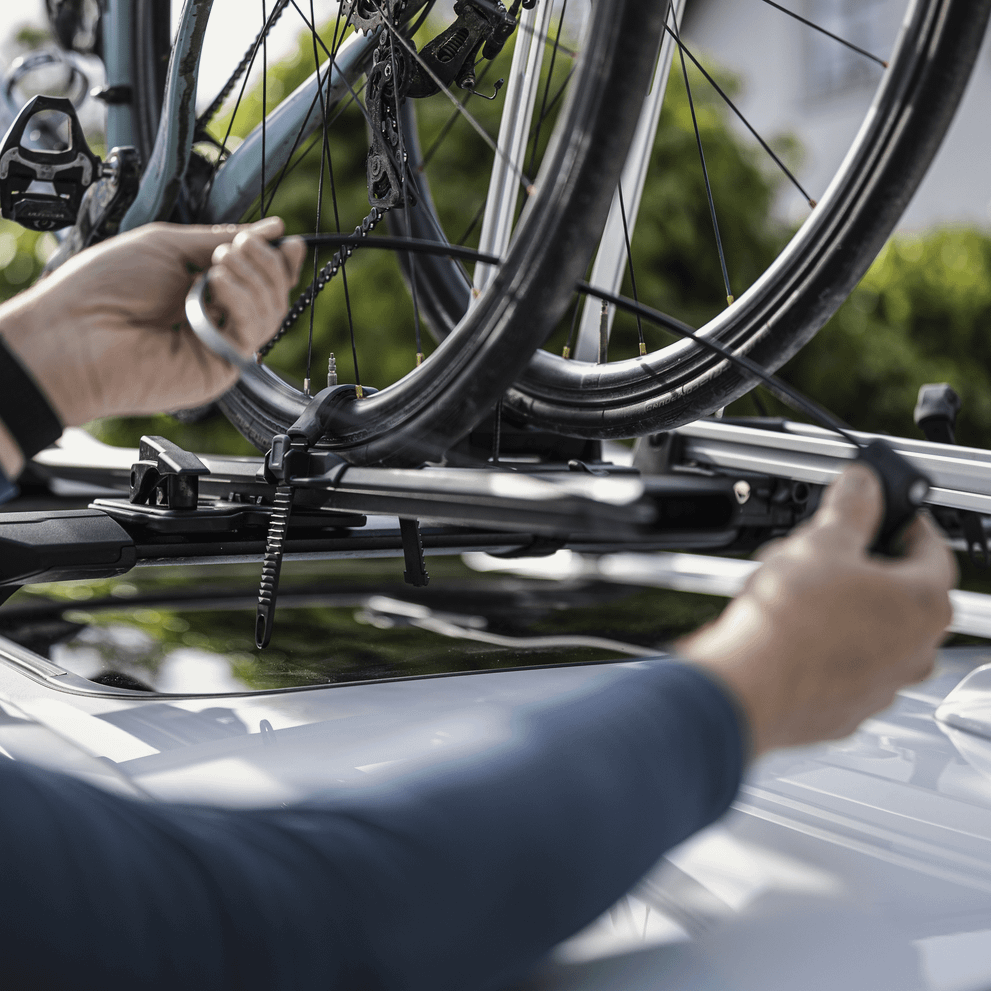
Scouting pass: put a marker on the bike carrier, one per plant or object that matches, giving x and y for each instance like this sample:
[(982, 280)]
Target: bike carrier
[(714, 486)]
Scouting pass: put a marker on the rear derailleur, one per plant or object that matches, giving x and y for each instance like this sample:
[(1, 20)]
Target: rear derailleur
[(398, 73)]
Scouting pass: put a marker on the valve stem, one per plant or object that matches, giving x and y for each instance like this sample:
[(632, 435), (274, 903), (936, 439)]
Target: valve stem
[(331, 371)]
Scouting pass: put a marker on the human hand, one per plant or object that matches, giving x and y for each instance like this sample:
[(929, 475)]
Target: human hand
[(106, 333), (823, 633)]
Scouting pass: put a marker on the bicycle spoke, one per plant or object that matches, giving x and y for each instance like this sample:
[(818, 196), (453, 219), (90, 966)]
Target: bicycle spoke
[(247, 60), (263, 34), (542, 116), (746, 123), (316, 248), (403, 179), (629, 258), (452, 120), (611, 259), (514, 128), (705, 171), (829, 34)]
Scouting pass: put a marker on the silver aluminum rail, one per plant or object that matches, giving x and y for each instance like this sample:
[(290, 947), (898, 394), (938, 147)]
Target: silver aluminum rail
[(961, 476)]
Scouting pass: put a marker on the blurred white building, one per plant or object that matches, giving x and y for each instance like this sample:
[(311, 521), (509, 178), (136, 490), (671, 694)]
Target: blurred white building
[(797, 80)]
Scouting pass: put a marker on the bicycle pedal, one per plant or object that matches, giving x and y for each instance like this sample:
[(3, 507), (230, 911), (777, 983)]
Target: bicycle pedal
[(67, 172)]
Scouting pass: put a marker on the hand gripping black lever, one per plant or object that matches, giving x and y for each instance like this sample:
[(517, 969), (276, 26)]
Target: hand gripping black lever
[(904, 488), (69, 171)]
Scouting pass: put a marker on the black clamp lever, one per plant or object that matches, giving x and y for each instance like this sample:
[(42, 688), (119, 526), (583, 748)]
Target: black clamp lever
[(904, 488), (288, 458), (70, 171), (936, 416), (165, 475)]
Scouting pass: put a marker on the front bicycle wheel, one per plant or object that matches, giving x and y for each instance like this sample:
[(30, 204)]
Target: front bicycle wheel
[(660, 388), (541, 255)]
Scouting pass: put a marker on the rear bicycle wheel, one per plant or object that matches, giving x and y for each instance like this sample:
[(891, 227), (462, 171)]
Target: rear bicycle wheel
[(419, 416)]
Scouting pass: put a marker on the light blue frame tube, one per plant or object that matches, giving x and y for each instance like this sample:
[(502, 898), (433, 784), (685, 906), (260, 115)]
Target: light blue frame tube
[(237, 184), (117, 48)]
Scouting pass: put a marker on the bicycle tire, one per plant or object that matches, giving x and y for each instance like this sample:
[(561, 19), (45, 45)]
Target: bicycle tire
[(418, 417), (803, 288)]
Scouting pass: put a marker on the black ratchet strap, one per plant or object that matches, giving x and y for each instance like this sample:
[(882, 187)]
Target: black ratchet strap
[(24, 410)]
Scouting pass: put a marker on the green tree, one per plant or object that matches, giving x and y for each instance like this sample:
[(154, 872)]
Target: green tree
[(921, 314)]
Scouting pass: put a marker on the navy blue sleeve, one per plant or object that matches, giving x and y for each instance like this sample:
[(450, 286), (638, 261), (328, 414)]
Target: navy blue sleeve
[(458, 878)]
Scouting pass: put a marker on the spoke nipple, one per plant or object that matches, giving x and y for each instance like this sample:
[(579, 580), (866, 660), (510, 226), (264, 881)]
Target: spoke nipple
[(566, 352), (358, 392), (475, 292), (885, 64), (531, 189), (643, 349), (258, 357), (729, 300), (813, 203), (419, 358)]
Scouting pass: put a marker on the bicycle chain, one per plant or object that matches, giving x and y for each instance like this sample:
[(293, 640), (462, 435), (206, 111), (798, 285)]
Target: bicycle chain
[(240, 69), (323, 278)]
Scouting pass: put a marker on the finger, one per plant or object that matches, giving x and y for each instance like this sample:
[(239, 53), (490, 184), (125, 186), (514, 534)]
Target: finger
[(269, 228), (228, 291), (926, 555), (267, 260), (272, 270), (294, 252), (195, 243), (248, 264), (293, 249), (851, 509)]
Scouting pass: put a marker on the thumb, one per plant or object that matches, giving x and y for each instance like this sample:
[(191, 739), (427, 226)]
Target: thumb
[(852, 508)]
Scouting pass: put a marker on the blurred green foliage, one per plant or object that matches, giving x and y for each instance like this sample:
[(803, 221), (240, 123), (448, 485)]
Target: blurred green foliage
[(921, 314)]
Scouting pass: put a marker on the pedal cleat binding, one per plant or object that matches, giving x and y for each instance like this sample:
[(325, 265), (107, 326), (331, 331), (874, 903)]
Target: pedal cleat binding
[(68, 172)]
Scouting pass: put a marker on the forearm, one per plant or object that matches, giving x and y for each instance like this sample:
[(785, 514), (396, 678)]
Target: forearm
[(455, 877)]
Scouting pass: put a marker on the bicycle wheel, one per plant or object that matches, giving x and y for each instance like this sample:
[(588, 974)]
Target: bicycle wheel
[(421, 414), (805, 285)]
